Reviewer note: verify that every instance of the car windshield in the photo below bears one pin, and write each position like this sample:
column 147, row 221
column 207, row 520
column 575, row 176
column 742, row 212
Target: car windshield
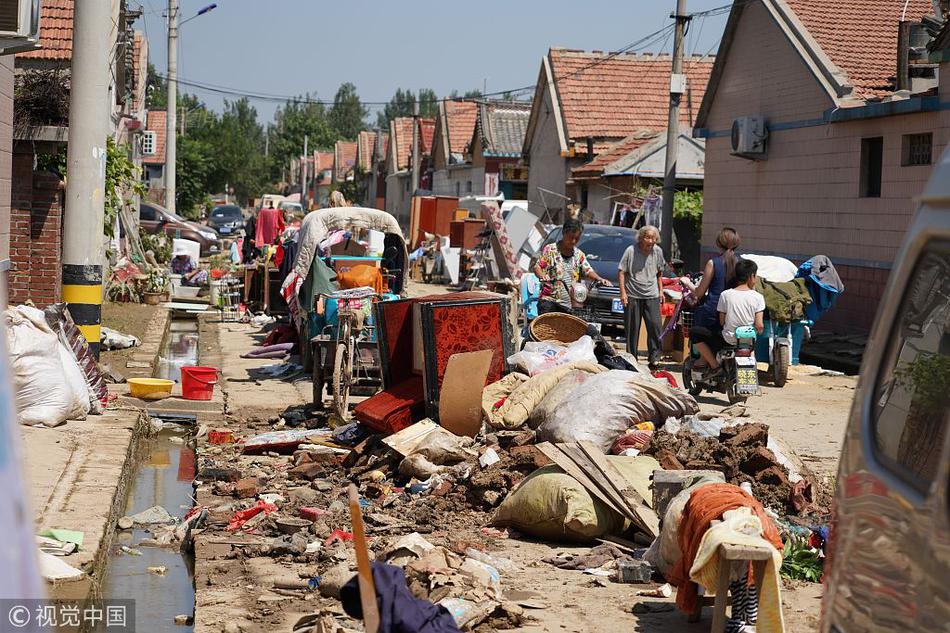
column 226, row 212
column 606, row 246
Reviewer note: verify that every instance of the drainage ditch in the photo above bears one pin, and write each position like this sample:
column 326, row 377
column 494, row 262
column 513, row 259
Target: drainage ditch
column 159, row 578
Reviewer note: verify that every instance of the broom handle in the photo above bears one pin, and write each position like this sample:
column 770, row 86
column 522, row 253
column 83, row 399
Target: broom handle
column 367, row 586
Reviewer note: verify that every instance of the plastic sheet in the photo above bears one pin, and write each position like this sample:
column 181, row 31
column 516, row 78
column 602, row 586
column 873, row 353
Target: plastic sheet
column 538, row 357
column 598, row 409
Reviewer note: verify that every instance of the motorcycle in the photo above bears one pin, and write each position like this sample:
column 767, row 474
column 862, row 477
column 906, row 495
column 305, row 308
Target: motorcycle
column 739, row 377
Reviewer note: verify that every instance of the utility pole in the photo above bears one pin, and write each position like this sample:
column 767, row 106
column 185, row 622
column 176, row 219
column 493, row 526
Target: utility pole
column 267, row 142
column 677, row 88
column 303, row 174
column 414, row 183
column 171, row 109
column 83, row 237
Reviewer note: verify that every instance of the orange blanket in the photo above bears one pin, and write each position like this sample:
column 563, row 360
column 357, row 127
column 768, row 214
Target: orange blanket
column 707, row 504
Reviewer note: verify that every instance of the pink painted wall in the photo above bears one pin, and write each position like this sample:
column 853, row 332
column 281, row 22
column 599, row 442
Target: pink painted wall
column 804, row 199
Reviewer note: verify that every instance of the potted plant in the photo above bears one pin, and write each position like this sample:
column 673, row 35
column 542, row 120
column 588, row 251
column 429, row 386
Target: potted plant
column 156, row 287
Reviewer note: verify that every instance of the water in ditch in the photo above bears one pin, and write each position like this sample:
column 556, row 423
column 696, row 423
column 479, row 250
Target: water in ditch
column 163, row 476
column 180, row 349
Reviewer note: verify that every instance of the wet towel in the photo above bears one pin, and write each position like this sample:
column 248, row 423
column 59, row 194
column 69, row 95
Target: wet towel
column 399, row 610
column 705, row 505
column 742, row 527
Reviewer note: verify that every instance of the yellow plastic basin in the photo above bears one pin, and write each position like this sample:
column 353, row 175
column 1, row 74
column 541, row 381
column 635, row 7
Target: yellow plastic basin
column 150, row 388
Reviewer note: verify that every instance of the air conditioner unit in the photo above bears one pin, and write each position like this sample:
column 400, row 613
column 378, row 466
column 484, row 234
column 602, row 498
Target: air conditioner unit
column 749, row 136
column 19, row 25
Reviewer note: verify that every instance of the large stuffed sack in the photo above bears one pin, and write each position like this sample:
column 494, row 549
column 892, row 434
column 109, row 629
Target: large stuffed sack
column 59, row 319
column 50, row 387
column 508, row 403
column 549, row 405
column 597, row 410
column 668, row 401
column 551, row 504
column 785, row 301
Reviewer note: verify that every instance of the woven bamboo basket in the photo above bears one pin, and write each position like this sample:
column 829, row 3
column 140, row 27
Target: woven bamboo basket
column 559, row 327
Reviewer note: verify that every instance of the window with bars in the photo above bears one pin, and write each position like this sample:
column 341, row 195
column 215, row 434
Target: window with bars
column 917, row 149
column 148, row 144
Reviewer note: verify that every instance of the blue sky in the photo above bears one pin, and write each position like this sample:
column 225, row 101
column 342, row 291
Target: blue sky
column 289, row 47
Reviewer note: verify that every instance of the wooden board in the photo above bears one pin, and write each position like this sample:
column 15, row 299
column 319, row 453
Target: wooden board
column 566, row 464
column 597, row 478
column 645, row 517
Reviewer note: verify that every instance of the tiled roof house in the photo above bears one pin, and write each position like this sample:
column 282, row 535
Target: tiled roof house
column 372, row 167
column 846, row 123
column 451, row 158
column 587, row 102
column 497, row 141
column 344, row 160
column 399, row 162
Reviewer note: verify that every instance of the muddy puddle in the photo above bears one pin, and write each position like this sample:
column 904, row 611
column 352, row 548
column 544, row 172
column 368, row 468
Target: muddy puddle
column 164, row 478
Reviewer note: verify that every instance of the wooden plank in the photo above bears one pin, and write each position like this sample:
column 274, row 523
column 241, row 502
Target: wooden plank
column 566, row 464
column 744, row 552
column 644, row 515
column 597, row 478
column 364, row 569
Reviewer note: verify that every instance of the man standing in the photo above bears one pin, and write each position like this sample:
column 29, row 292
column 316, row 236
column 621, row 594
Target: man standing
column 641, row 269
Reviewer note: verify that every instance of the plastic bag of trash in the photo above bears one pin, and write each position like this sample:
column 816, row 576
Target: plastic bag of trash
column 668, row 400
column 538, row 357
column 45, row 388
column 598, row 409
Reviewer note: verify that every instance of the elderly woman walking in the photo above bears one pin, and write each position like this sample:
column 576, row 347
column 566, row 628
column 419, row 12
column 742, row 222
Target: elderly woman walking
column 641, row 269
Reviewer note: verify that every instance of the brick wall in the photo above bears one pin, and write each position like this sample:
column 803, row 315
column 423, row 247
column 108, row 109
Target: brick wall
column 803, row 199
column 6, row 160
column 36, row 236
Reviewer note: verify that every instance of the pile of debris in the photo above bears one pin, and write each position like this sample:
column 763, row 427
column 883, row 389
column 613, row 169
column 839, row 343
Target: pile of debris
column 743, row 453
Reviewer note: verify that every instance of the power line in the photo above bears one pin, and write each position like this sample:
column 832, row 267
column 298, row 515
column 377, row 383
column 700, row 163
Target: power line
column 643, row 42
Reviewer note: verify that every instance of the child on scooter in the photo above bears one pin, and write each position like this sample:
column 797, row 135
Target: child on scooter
column 741, row 305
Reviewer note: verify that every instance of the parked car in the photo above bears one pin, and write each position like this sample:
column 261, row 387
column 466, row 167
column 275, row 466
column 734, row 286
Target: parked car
column 889, row 544
column 604, row 246
column 226, row 219
column 154, row 218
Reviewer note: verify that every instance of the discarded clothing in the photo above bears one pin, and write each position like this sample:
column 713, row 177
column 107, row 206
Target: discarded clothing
column 742, row 527
column 707, row 504
column 269, row 351
column 270, row 224
column 399, row 611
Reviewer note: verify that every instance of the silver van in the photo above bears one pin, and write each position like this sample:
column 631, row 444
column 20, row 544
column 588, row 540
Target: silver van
column 889, row 548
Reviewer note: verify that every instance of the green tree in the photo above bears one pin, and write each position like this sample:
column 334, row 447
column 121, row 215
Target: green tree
column 156, row 90
column 428, row 103
column 348, row 114
column 292, row 122
column 194, row 165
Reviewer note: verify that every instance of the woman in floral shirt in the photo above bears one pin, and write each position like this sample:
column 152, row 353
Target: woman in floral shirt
column 560, row 266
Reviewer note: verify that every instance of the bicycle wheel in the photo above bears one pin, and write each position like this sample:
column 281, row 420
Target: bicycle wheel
column 342, row 378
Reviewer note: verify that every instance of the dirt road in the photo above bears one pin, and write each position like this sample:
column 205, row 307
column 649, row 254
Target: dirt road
column 809, row 414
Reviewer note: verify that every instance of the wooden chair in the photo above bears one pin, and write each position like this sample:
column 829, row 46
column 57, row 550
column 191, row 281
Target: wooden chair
column 758, row 556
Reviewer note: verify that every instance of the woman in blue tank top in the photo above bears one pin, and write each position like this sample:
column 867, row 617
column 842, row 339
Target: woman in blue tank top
column 718, row 275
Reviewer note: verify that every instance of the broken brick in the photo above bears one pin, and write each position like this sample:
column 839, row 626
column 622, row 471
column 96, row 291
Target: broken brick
column 773, row 476
column 308, row 471
column 668, row 460
column 760, row 459
column 523, row 455
column 311, row 514
column 246, row 488
column 745, row 435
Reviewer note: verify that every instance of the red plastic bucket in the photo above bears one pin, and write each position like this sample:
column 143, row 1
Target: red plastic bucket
column 197, row 382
